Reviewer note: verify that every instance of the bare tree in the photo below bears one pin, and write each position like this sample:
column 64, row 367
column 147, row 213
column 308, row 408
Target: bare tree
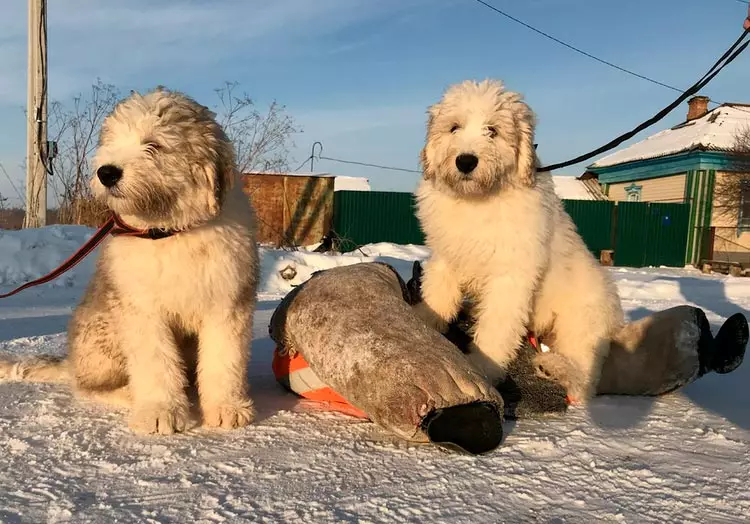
column 733, row 191
column 261, row 139
column 76, row 131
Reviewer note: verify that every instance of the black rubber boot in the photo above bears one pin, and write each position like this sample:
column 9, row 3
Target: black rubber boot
column 474, row 428
column 730, row 343
column 706, row 344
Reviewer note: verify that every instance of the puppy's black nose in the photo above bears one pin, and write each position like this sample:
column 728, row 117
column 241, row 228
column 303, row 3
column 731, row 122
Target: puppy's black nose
column 109, row 175
column 466, row 163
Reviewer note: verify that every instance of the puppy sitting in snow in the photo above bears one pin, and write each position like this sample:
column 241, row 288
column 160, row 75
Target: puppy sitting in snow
column 499, row 234
column 161, row 313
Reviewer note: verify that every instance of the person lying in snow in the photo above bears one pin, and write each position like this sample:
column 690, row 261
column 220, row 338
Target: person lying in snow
column 651, row 356
column 348, row 336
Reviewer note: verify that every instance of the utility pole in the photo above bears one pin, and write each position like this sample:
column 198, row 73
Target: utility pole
column 36, row 125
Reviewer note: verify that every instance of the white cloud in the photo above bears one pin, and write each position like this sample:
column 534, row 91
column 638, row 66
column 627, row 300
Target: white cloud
column 120, row 40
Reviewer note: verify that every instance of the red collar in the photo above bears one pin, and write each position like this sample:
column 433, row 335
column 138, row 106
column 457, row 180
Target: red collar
column 120, row 228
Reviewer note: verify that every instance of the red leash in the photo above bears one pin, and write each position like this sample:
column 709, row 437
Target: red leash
column 114, row 226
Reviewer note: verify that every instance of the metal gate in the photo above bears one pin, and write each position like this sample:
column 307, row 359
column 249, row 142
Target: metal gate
column 651, row 234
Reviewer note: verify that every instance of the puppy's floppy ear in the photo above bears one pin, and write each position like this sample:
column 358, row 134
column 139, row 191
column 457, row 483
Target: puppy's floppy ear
column 427, row 172
column 526, row 160
column 220, row 172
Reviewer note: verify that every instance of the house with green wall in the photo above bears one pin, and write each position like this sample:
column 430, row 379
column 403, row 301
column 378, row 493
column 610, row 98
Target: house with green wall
column 703, row 162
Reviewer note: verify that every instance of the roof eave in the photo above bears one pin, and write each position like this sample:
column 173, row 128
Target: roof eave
column 666, row 165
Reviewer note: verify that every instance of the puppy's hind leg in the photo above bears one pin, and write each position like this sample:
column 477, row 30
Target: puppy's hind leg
column 96, row 360
column 36, row 369
column 587, row 359
column 584, row 343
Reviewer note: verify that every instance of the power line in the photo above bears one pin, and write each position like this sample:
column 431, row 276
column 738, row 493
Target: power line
column 576, row 49
column 728, row 57
column 320, row 156
column 366, row 164
column 303, row 163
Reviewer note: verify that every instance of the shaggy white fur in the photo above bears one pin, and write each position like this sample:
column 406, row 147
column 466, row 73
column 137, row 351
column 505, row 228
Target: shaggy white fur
column 161, row 315
column 499, row 234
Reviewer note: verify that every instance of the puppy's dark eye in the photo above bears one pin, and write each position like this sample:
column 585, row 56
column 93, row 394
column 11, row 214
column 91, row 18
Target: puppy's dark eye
column 151, row 147
column 455, row 128
column 492, row 131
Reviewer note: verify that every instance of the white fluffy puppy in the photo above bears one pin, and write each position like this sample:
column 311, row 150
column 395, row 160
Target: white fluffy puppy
column 499, row 234
column 161, row 314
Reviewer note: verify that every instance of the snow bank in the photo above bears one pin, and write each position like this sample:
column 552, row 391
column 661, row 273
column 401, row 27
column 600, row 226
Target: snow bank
column 27, row 254
column 32, row 253
column 303, row 264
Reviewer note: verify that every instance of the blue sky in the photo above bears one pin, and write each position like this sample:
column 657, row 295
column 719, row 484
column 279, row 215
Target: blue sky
column 358, row 75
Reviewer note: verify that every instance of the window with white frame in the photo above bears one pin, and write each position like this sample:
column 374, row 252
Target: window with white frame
column 633, row 193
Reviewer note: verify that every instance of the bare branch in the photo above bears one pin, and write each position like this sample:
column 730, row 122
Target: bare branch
column 732, row 189
column 261, row 140
column 76, row 130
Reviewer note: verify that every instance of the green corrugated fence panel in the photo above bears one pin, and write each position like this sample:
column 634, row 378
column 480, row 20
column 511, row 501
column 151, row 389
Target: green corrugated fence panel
column 646, row 233
column 365, row 217
column 593, row 219
column 651, row 234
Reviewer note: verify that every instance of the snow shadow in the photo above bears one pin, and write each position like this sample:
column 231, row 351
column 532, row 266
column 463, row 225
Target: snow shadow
column 708, row 294
column 269, row 397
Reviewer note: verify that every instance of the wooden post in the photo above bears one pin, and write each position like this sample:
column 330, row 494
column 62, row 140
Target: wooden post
column 36, row 125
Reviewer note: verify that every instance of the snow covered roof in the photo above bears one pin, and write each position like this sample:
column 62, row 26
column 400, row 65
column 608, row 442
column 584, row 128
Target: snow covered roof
column 340, row 183
column 714, row 131
column 351, row 183
column 568, row 187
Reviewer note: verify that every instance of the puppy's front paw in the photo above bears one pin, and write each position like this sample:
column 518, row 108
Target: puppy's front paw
column 161, row 419
column 230, row 415
column 493, row 371
column 423, row 311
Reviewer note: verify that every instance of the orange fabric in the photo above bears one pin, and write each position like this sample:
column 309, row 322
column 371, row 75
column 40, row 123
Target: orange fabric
column 283, row 366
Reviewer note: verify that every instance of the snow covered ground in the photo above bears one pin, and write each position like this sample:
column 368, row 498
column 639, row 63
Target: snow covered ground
column 681, row 458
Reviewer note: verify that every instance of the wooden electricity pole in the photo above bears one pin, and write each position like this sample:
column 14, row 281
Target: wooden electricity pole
column 36, row 129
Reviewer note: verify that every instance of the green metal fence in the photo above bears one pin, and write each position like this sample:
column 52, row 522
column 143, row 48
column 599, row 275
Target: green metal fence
column 365, row 217
column 593, row 219
column 641, row 233
column 651, row 234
